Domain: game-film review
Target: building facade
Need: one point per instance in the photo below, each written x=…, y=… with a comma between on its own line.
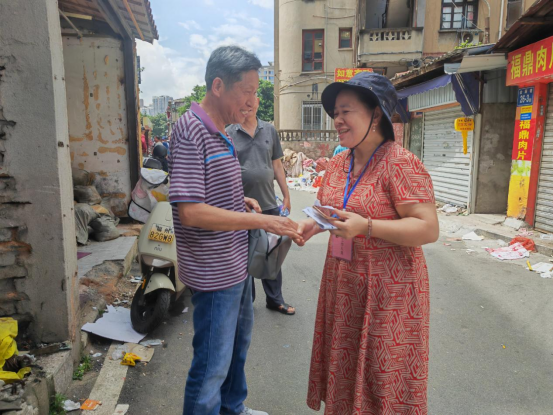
x=315, y=38
x=159, y=104
x=267, y=73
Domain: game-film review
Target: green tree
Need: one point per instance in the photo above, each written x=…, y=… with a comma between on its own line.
x=198, y=93
x=159, y=124
x=266, y=95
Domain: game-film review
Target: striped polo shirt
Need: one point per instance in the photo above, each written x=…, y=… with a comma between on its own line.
x=204, y=169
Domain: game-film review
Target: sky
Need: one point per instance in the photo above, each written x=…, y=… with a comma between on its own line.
x=189, y=30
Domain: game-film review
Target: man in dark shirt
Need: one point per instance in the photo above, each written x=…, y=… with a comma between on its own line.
x=260, y=156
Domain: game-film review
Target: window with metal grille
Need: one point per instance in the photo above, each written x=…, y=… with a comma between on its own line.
x=312, y=50
x=312, y=116
x=461, y=14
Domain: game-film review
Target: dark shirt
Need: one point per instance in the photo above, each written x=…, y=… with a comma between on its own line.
x=256, y=156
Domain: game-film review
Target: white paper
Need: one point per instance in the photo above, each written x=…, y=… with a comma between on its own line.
x=541, y=267
x=115, y=324
x=515, y=251
x=322, y=222
x=471, y=236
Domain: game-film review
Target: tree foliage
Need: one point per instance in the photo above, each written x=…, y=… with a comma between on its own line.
x=198, y=93
x=265, y=94
x=159, y=124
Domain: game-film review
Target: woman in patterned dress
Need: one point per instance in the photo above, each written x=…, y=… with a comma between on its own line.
x=370, y=347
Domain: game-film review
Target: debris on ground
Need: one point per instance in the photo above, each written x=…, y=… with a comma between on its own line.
x=71, y=406
x=130, y=359
x=472, y=236
x=13, y=367
x=146, y=353
x=449, y=208
x=527, y=243
x=120, y=351
x=524, y=232
x=121, y=409
x=515, y=251
x=115, y=324
x=150, y=343
x=136, y=280
x=185, y=310
x=546, y=236
x=90, y=405
x=543, y=268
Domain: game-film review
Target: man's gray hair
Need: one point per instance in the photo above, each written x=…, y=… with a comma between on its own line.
x=229, y=63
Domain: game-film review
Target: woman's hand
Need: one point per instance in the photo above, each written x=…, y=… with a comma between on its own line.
x=350, y=225
x=307, y=229
x=252, y=204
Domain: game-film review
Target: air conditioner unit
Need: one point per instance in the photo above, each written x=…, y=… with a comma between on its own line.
x=467, y=37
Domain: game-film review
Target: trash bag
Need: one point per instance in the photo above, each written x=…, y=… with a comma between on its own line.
x=81, y=177
x=87, y=194
x=8, y=349
x=84, y=214
x=105, y=228
x=527, y=243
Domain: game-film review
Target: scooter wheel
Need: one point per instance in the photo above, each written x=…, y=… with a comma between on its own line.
x=154, y=309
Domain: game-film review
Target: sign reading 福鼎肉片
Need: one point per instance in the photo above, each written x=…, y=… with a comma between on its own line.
x=532, y=63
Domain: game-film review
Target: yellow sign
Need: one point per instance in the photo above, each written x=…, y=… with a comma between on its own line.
x=464, y=125
x=526, y=110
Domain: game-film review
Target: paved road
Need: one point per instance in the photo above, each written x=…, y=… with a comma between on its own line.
x=478, y=305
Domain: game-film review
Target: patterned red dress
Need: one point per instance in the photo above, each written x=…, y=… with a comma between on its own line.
x=370, y=348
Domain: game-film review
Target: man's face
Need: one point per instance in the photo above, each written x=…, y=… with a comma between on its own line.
x=238, y=101
x=252, y=116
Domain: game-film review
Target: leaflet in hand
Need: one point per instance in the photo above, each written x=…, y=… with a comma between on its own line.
x=317, y=217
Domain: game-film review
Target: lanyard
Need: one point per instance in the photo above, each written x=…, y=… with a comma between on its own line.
x=347, y=194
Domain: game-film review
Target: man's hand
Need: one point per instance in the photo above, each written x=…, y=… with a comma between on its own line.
x=307, y=229
x=283, y=226
x=286, y=204
x=252, y=204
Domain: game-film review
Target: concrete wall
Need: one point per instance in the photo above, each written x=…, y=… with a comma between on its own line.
x=295, y=86
x=494, y=165
x=98, y=114
x=437, y=42
x=38, y=258
x=312, y=149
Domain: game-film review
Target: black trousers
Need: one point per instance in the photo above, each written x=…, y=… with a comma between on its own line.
x=273, y=288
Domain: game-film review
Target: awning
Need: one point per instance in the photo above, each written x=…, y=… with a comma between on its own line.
x=465, y=86
x=477, y=63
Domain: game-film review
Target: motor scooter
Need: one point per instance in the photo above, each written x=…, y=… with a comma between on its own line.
x=160, y=292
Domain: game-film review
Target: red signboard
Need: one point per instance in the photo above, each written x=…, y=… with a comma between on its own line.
x=531, y=64
x=345, y=74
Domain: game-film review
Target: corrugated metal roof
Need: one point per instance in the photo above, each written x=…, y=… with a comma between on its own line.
x=140, y=9
x=532, y=26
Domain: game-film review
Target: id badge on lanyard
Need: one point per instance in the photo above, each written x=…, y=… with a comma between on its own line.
x=343, y=248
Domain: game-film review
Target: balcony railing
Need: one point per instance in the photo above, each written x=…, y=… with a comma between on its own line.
x=390, y=42
x=308, y=135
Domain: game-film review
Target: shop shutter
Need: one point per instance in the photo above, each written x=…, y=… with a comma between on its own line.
x=544, y=202
x=443, y=156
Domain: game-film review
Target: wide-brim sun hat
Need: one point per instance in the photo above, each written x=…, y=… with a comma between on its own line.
x=376, y=87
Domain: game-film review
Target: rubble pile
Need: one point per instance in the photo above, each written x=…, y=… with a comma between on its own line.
x=93, y=215
x=304, y=173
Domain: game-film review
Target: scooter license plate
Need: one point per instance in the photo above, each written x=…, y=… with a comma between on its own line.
x=162, y=233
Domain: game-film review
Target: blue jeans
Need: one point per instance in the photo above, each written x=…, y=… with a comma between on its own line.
x=223, y=322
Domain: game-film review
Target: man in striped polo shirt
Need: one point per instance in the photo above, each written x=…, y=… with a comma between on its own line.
x=212, y=238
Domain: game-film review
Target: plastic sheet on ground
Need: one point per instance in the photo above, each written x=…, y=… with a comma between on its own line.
x=545, y=269
x=71, y=406
x=8, y=349
x=515, y=251
x=449, y=209
x=115, y=324
x=472, y=236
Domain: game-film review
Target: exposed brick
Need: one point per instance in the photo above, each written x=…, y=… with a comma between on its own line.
x=7, y=259
x=6, y=234
x=13, y=271
x=7, y=309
